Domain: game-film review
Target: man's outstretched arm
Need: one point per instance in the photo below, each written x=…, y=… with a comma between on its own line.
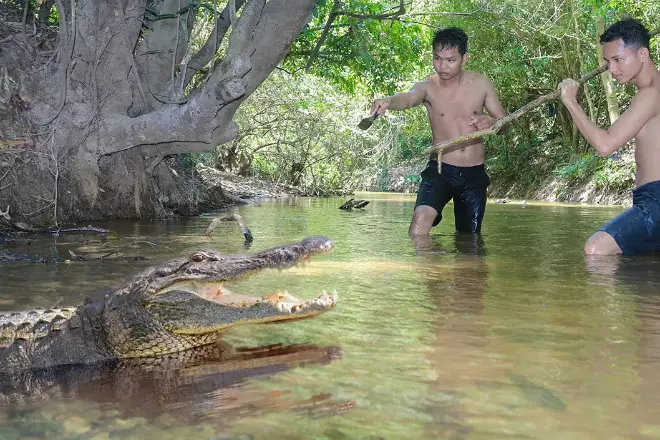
x=642, y=109
x=400, y=101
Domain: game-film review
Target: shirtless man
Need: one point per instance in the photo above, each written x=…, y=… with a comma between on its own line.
x=626, y=50
x=454, y=100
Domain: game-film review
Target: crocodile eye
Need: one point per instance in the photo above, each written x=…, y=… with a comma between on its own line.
x=197, y=257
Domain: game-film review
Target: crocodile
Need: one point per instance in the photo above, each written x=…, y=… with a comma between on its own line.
x=165, y=310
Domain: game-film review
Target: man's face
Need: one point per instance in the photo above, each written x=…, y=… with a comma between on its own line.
x=447, y=62
x=624, y=63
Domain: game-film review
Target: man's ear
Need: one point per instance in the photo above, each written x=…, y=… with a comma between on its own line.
x=643, y=53
x=466, y=58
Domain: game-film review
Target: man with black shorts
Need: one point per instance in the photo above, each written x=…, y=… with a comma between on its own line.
x=626, y=51
x=454, y=100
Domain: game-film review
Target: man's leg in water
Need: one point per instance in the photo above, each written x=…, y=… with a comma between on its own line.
x=601, y=243
x=434, y=193
x=634, y=231
x=422, y=220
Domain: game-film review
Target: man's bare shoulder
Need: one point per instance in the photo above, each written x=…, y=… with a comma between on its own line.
x=427, y=82
x=424, y=86
x=648, y=93
x=477, y=78
x=648, y=97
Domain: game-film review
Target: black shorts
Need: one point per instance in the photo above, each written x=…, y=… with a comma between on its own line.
x=466, y=185
x=637, y=230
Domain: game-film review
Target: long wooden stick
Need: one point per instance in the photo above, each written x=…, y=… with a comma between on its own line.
x=497, y=126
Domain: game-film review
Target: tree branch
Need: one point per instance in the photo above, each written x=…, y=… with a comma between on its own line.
x=388, y=15
x=185, y=143
x=241, y=34
x=336, y=12
x=154, y=54
x=210, y=47
x=129, y=49
x=44, y=10
x=417, y=14
x=205, y=121
x=324, y=34
x=149, y=150
x=196, y=122
x=133, y=14
x=171, y=123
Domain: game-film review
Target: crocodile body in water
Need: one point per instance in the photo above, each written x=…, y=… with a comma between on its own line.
x=166, y=310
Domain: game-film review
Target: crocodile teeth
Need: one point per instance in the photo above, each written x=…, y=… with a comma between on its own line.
x=326, y=300
x=284, y=302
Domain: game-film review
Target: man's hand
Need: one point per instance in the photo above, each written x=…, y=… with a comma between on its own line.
x=481, y=122
x=569, y=89
x=380, y=106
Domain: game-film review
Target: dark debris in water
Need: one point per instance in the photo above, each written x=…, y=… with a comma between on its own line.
x=17, y=257
x=9, y=257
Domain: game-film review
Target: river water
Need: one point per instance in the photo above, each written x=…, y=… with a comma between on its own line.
x=514, y=334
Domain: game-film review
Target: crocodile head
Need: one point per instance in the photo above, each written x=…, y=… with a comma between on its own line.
x=183, y=303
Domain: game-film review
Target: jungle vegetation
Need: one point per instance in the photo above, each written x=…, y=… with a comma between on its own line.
x=106, y=106
x=354, y=51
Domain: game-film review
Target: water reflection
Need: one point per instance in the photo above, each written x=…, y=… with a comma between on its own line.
x=460, y=243
x=457, y=292
x=194, y=384
x=641, y=272
x=638, y=277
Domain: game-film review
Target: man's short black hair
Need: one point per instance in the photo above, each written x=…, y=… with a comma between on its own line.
x=451, y=37
x=631, y=31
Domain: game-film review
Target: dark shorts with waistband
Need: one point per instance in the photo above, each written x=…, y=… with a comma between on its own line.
x=637, y=230
x=465, y=185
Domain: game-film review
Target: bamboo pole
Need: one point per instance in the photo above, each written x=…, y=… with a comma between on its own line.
x=497, y=126
x=613, y=110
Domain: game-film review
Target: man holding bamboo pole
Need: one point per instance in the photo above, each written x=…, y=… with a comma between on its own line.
x=454, y=100
x=626, y=51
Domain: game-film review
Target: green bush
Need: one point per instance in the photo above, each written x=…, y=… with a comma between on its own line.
x=580, y=168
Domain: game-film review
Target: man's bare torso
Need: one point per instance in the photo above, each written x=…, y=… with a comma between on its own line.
x=647, y=145
x=450, y=108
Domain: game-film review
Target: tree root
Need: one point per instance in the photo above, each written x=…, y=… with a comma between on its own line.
x=24, y=227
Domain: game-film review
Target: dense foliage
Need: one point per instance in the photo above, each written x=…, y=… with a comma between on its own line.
x=355, y=50
x=300, y=125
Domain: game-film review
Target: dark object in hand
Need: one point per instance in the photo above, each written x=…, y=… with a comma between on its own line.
x=366, y=122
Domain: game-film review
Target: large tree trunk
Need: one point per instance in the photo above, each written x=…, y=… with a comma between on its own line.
x=84, y=131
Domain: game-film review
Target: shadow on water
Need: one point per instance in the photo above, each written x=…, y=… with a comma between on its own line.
x=196, y=384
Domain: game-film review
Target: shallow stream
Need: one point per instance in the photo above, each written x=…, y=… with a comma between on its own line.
x=511, y=335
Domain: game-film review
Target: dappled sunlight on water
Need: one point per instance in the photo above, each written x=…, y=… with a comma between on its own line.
x=513, y=334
